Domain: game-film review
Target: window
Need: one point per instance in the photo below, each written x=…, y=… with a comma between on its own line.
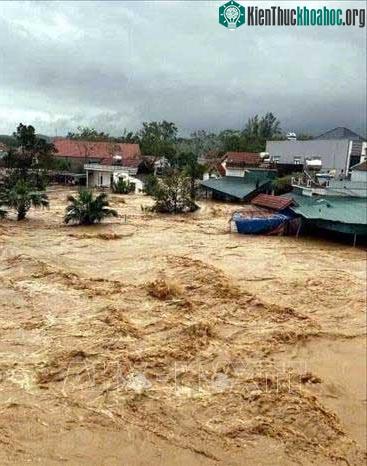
x=297, y=160
x=276, y=158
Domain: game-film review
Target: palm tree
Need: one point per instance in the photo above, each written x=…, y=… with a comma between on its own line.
x=86, y=209
x=21, y=198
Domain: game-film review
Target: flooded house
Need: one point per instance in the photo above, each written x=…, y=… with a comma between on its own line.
x=103, y=162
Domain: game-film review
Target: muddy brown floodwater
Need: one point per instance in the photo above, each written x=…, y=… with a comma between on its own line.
x=159, y=340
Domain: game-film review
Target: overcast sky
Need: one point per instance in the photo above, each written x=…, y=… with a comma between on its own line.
x=114, y=65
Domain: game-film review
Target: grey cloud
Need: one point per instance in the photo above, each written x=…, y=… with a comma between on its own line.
x=114, y=65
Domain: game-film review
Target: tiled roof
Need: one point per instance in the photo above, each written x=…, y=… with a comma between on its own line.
x=241, y=159
x=362, y=167
x=3, y=147
x=96, y=150
x=271, y=202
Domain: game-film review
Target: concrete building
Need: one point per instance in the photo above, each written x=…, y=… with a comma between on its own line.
x=359, y=173
x=335, y=154
x=104, y=176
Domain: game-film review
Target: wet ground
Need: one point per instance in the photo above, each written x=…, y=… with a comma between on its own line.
x=162, y=340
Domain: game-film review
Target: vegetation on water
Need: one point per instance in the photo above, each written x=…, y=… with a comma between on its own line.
x=85, y=209
x=173, y=194
x=26, y=179
x=122, y=186
x=21, y=197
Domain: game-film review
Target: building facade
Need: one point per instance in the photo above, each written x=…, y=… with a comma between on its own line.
x=337, y=150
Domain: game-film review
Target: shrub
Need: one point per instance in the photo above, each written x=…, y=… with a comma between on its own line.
x=122, y=186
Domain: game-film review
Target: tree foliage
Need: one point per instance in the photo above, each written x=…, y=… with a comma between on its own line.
x=122, y=186
x=173, y=194
x=85, y=209
x=188, y=163
x=158, y=138
x=150, y=185
x=84, y=133
x=30, y=160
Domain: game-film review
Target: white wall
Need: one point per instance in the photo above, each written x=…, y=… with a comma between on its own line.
x=235, y=172
x=99, y=178
x=359, y=175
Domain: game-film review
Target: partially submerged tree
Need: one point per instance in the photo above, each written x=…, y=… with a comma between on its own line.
x=150, y=185
x=173, y=194
x=192, y=169
x=85, y=209
x=21, y=197
x=122, y=186
x=31, y=159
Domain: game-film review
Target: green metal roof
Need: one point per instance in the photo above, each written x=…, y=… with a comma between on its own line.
x=351, y=210
x=233, y=186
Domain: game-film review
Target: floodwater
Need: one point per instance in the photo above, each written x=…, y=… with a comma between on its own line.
x=168, y=340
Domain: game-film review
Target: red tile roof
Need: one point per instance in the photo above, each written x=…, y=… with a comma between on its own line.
x=96, y=150
x=271, y=202
x=241, y=159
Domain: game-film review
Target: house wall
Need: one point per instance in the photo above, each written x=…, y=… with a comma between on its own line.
x=235, y=172
x=359, y=175
x=333, y=153
x=99, y=178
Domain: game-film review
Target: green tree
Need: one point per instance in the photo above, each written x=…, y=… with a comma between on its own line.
x=258, y=130
x=231, y=140
x=83, y=133
x=150, y=184
x=21, y=197
x=33, y=152
x=31, y=159
x=188, y=162
x=85, y=209
x=128, y=137
x=173, y=194
x=158, y=138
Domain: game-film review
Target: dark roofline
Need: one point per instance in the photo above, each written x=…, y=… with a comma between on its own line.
x=352, y=134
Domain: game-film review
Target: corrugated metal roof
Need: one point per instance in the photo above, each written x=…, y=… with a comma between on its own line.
x=272, y=202
x=334, y=209
x=233, y=186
